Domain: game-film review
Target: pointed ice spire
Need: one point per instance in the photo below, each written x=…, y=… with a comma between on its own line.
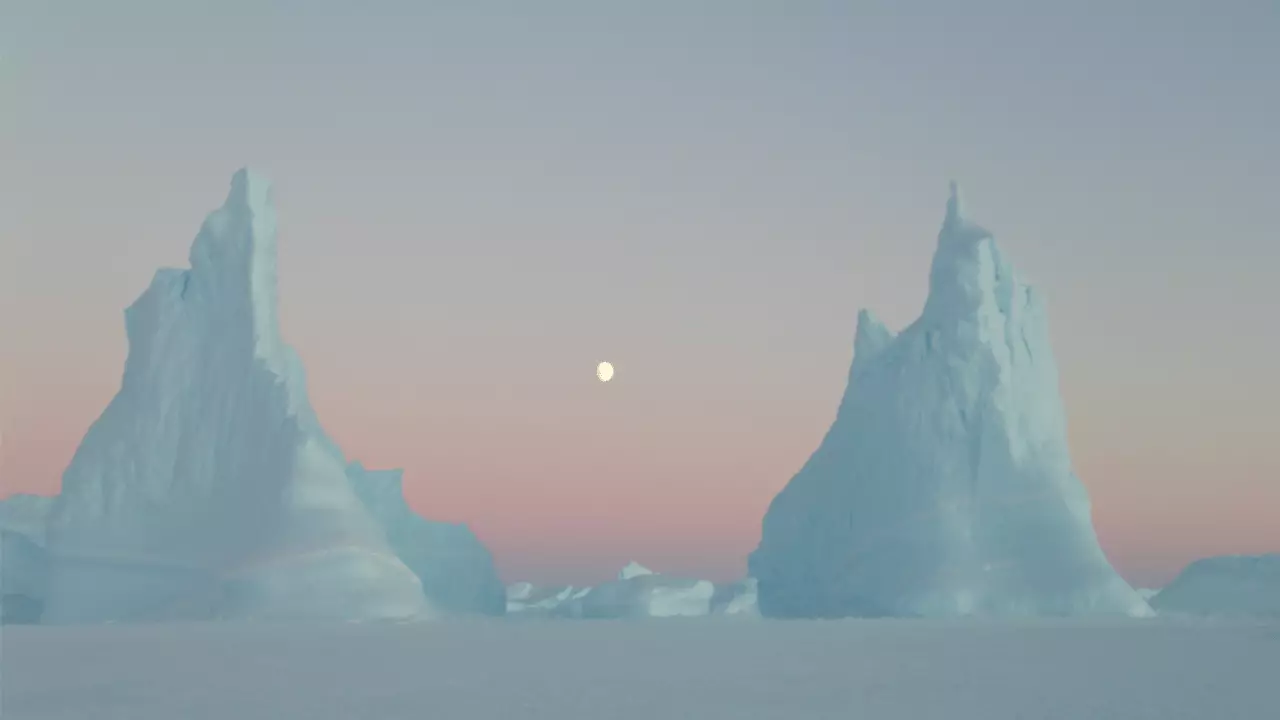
x=234, y=257
x=955, y=204
x=958, y=277
x=245, y=224
x=871, y=337
x=249, y=189
x=957, y=224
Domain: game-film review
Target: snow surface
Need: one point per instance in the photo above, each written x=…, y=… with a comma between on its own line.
x=456, y=570
x=1246, y=585
x=208, y=473
x=678, y=669
x=944, y=487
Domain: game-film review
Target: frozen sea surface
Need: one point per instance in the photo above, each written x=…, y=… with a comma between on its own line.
x=651, y=670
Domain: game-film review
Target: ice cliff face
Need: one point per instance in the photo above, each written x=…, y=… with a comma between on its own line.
x=456, y=570
x=1231, y=585
x=207, y=486
x=944, y=487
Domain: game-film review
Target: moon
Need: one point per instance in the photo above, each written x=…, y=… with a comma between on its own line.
x=604, y=371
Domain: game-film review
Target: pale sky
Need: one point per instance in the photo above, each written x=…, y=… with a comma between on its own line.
x=481, y=201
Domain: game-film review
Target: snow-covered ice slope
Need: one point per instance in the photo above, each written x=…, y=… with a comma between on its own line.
x=944, y=487
x=455, y=568
x=207, y=486
x=1244, y=585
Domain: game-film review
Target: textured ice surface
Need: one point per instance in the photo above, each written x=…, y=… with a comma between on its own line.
x=1228, y=585
x=679, y=669
x=456, y=570
x=207, y=486
x=944, y=487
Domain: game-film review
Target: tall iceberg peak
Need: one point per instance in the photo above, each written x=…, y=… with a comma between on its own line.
x=250, y=189
x=968, y=272
x=955, y=203
x=207, y=487
x=233, y=259
x=944, y=486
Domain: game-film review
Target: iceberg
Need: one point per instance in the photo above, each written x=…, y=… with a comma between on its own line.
x=22, y=557
x=455, y=568
x=520, y=592
x=944, y=487
x=738, y=599
x=207, y=487
x=525, y=598
x=638, y=592
x=1229, y=585
x=26, y=515
x=546, y=601
x=633, y=569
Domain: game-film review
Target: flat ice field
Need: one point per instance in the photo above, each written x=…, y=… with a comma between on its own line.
x=661, y=670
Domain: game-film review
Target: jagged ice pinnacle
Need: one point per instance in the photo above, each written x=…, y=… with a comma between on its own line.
x=944, y=487
x=207, y=487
